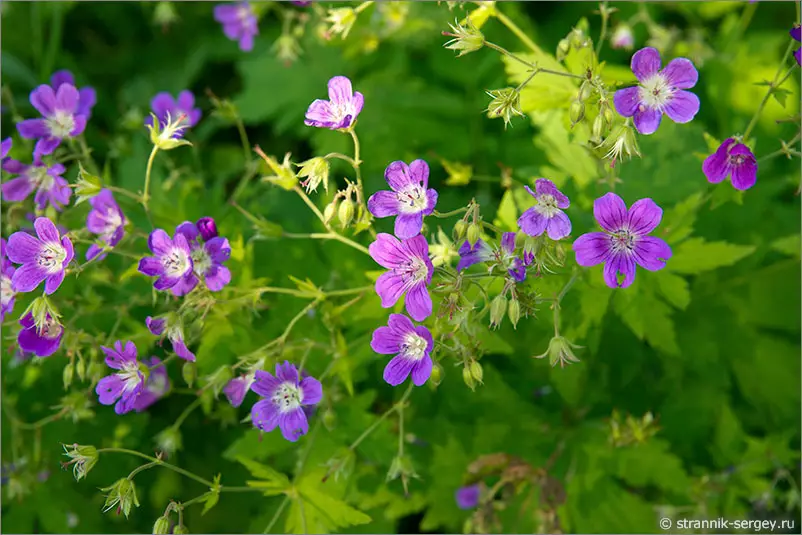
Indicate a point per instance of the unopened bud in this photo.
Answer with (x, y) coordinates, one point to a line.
(576, 112)
(437, 375)
(69, 369)
(169, 441)
(622, 37)
(466, 38)
(80, 368)
(180, 530)
(563, 47)
(514, 311)
(473, 234)
(161, 526)
(476, 371)
(597, 131)
(329, 419)
(498, 309)
(460, 227)
(189, 371)
(207, 228)
(342, 19)
(346, 212)
(585, 91)
(468, 378)
(316, 171)
(330, 211)
(609, 116)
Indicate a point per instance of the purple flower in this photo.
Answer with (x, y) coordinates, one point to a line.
(5, 147)
(301, 3)
(42, 259)
(236, 389)
(163, 104)
(155, 387)
(732, 158)
(105, 219)
(41, 342)
(285, 398)
(340, 111)
(505, 255)
(467, 497)
(410, 272)
(175, 333)
(409, 200)
(207, 258)
(796, 33)
(125, 385)
(7, 294)
(239, 23)
(547, 215)
(412, 347)
(60, 117)
(660, 91)
(624, 242)
(50, 186)
(86, 95)
(172, 261)
(207, 228)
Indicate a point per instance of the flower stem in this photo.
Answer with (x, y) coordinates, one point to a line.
(123, 191)
(243, 137)
(603, 34)
(142, 469)
(158, 461)
(343, 157)
(145, 196)
(774, 85)
(184, 415)
(558, 300)
(451, 213)
(277, 514)
(330, 236)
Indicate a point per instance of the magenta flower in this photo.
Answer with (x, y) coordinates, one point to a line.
(7, 294)
(163, 104)
(42, 259)
(340, 111)
(105, 219)
(285, 398)
(467, 497)
(5, 147)
(50, 186)
(155, 388)
(175, 334)
(796, 33)
(60, 117)
(300, 3)
(625, 242)
(410, 272)
(41, 342)
(124, 386)
(547, 215)
(409, 199)
(86, 95)
(207, 257)
(207, 228)
(732, 158)
(412, 347)
(239, 23)
(237, 387)
(505, 256)
(172, 261)
(659, 91)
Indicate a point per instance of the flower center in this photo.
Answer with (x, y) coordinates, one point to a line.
(113, 221)
(546, 205)
(50, 329)
(414, 346)
(737, 160)
(51, 257)
(60, 124)
(287, 397)
(6, 293)
(655, 92)
(201, 260)
(412, 199)
(130, 376)
(176, 263)
(38, 176)
(622, 241)
(413, 271)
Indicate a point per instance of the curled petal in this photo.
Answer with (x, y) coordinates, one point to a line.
(716, 167)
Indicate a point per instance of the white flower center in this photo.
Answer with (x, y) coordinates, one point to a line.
(38, 176)
(201, 260)
(51, 257)
(546, 206)
(176, 263)
(130, 376)
(6, 293)
(414, 346)
(412, 199)
(50, 329)
(622, 241)
(60, 124)
(655, 92)
(113, 221)
(736, 160)
(288, 397)
(413, 271)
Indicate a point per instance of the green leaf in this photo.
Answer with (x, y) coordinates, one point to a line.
(678, 221)
(790, 245)
(513, 204)
(313, 510)
(673, 289)
(210, 500)
(647, 316)
(272, 481)
(651, 464)
(543, 92)
(566, 151)
(696, 255)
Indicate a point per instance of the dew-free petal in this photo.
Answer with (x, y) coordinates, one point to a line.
(651, 253)
(645, 63)
(592, 249)
(682, 107)
(610, 211)
(644, 216)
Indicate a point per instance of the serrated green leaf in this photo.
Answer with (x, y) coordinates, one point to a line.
(647, 316)
(678, 221)
(696, 255)
(315, 511)
(272, 481)
(790, 245)
(673, 289)
(513, 203)
(210, 500)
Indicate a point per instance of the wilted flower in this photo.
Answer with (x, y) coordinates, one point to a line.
(560, 351)
(172, 261)
(43, 340)
(409, 200)
(50, 186)
(622, 37)
(236, 389)
(207, 260)
(168, 109)
(44, 258)
(105, 219)
(504, 255)
(127, 383)
(465, 38)
(239, 23)
(87, 97)
(410, 272)
(340, 111)
(7, 294)
(625, 242)
(621, 145)
(412, 346)
(505, 104)
(286, 396)
(468, 497)
(547, 215)
(175, 333)
(83, 459)
(155, 387)
(60, 117)
(316, 171)
(660, 91)
(732, 158)
(121, 495)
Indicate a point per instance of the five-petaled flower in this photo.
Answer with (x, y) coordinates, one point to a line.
(239, 23)
(468, 497)
(172, 261)
(105, 219)
(732, 158)
(207, 256)
(625, 242)
(124, 386)
(44, 258)
(340, 111)
(659, 91)
(86, 95)
(50, 186)
(547, 215)
(42, 341)
(285, 396)
(60, 117)
(7, 294)
(412, 346)
(175, 333)
(157, 385)
(409, 199)
(168, 109)
(410, 272)
(504, 255)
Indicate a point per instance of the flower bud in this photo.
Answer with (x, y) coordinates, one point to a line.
(585, 90)
(83, 459)
(401, 467)
(622, 37)
(473, 234)
(468, 378)
(69, 369)
(560, 352)
(330, 211)
(437, 375)
(161, 526)
(576, 112)
(87, 186)
(476, 371)
(505, 104)
(597, 131)
(80, 368)
(609, 116)
(460, 227)
(563, 47)
(329, 419)
(466, 39)
(498, 308)
(514, 311)
(164, 14)
(169, 441)
(121, 495)
(346, 212)
(180, 530)
(207, 228)
(189, 371)
(316, 170)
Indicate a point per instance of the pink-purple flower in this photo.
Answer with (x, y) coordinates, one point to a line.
(734, 159)
(622, 37)
(7, 294)
(42, 258)
(504, 256)
(467, 497)
(285, 397)
(172, 260)
(5, 148)
(547, 215)
(625, 242)
(125, 385)
(410, 272)
(412, 346)
(60, 117)
(105, 219)
(237, 387)
(340, 111)
(409, 199)
(86, 95)
(659, 91)
(164, 105)
(208, 256)
(796, 33)
(155, 388)
(50, 186)
(43, 341)
(239, 23)
(175, 334)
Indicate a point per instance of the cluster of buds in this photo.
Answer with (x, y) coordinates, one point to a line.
(472, 373)
(631, 430)
(576, 39)
(342, 207)
(469, 227)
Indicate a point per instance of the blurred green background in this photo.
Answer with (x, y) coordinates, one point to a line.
(711, 345)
